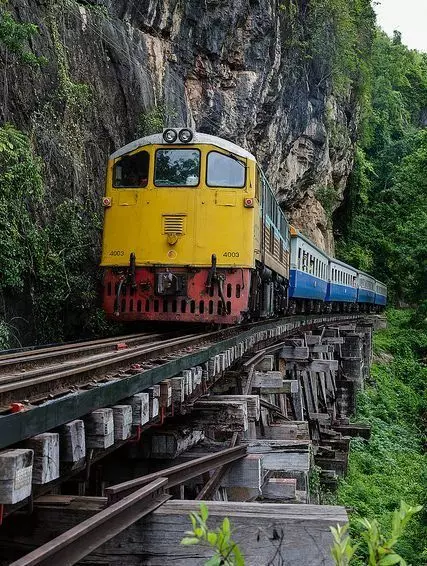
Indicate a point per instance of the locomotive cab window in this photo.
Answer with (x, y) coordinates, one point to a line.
(177, 168)
(225, 171)
(132, 171)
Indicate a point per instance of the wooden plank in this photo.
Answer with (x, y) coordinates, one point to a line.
(323, 365)
(266, 364)
(332, 340)
(46, 457)
(307, 394)
(282, 455)
(16, 471)
(268, 380)
(140, 404)
(122, 415)
(313, 378)
(300, 532)
(72, 441)
(229, 416)
(252, 401)
(320, 349)
(294, 353)
(99, 427)
(312, 339)
(279, 489)
(247, 472)
(170, 443)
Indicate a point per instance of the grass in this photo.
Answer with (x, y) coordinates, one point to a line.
(393, 465)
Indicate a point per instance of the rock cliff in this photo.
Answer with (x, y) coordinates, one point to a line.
(229, 69)
(233, 69)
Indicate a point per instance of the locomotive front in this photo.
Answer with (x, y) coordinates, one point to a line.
(179, 229)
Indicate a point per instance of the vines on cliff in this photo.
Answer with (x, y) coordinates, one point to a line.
(15, 36)
(335, 39)
(45, 262)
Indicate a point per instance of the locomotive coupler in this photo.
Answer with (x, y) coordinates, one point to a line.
(213, 278)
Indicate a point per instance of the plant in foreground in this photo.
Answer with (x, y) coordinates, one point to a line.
(379, 547)
(227, 553)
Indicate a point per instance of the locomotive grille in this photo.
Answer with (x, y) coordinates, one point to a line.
(173, 224)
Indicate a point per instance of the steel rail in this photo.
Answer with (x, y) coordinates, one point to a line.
(35, 350)
(80, 348)
(215, 480)
(127, 503)
(82, 371)
(81, 540)
(177, 474)
(50, 372)
(83, 347)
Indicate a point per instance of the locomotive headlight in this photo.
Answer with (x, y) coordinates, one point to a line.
(106, 202)
(169, 135)
(185, 135)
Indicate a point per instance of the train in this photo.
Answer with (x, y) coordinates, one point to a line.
(193, 232)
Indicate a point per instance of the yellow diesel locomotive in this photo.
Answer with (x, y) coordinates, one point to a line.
(192, 232)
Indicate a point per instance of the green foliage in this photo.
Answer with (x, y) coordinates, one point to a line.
(385, 214)
(77, 96)
(342, 550)
(341, 34)
(64, 288)
(380, 550)
(21, 189)
(154, 120)
(226, 551)
(15, 37)
(392, 465)
(333, 39)
(50, 262)
(328, 198)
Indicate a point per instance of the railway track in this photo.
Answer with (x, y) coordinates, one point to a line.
(27, 358)
(33, 377)
(55, 385)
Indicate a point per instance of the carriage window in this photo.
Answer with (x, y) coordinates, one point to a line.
(177, 168)
(225, 171)
(131, 171)
(304, 261)
(299, 258)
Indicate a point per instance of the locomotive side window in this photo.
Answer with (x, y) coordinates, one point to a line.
(177, 168)
(132, 171)
(225, 171)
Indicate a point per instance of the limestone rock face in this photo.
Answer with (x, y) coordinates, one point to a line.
(226, 68)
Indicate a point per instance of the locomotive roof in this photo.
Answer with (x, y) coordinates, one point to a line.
(157, 139)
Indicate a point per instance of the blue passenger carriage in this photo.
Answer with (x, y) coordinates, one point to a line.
(380, 295)
(308, 274)
(342, 285)
(366, 290)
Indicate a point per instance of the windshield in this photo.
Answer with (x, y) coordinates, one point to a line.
(225, 171)
(131, 171)
(177, 168)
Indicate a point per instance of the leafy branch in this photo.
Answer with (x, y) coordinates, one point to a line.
(226, 551)
(380, 548)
